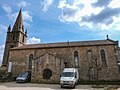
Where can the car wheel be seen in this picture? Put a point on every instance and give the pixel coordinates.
(77, 83)
(74, 87)
(61, 86)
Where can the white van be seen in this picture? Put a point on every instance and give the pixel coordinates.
(69, 77)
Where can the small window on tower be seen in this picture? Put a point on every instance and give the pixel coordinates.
(13, 38)
(11, 46)
(23, 39)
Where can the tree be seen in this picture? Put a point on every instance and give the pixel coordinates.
(98, 67)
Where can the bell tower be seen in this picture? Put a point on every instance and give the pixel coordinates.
(15, 37)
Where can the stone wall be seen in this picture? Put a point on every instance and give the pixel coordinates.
(20, 60)
(42, 60)
(47, 61)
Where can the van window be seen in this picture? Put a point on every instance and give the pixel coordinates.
(68, 74)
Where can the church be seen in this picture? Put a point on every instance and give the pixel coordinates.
(46, 61)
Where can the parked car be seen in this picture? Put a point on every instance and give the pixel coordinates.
(24, 77)
(69, 77)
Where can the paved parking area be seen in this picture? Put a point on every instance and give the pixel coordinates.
(34, 86)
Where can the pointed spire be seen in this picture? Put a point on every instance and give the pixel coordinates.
(18, 26)
(9, 28)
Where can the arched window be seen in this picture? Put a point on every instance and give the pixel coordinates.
(30, 62)
(76, 61)
(65, 64)
(103, 57)
(90, 59)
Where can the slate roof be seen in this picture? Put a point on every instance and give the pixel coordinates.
(66, 44)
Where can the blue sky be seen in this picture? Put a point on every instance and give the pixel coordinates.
(62, 20)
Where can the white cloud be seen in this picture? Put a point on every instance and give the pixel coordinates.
(87, 15)
(26, 16)
(7, 8)
(78, 9)
(2, 28)
(13, 16)
(69, 12)
(114, 26)
(1, 52)
(23, 4)
(46, 4)
(33, 40)
(115, 4)
(62, 4)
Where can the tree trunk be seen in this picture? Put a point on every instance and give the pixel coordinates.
(97, 82)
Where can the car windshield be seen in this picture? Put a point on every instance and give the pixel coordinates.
(23, 74)
(68, 74)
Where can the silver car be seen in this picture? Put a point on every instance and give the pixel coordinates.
(24, 77)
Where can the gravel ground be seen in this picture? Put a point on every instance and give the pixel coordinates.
(33, 86)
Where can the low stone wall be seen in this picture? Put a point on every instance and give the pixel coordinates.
(2, 72)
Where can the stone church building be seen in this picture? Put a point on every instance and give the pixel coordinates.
(46, 61)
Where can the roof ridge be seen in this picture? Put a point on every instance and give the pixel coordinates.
(65, 44)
